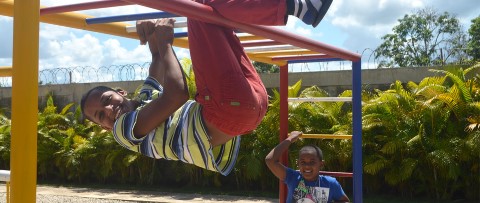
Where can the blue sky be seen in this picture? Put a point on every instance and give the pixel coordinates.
(355, 25)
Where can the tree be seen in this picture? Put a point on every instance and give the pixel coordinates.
(422, 39)
(473, 46)
(265, 67)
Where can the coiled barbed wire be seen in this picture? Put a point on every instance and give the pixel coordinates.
(87, 74)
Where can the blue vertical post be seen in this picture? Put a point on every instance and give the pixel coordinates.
(282, 196)
(357, 131)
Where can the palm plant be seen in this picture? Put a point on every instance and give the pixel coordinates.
(416, 134)
(52, 133)
(5, 128)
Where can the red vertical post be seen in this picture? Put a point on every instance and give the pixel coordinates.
(283, 125)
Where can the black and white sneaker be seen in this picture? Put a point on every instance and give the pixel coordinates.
(311, 12)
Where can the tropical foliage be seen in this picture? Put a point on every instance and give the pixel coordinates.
(419, 137)
(418, 140)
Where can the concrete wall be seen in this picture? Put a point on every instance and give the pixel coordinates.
(332, 81)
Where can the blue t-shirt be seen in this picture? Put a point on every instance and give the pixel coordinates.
(301, 190)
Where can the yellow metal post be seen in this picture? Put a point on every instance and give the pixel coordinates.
(8, 192)
(23, 157)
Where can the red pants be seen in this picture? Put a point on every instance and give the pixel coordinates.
(231, 92)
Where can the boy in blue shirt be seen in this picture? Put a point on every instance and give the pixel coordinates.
(305, 185)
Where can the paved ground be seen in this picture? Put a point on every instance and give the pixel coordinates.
(52, 194)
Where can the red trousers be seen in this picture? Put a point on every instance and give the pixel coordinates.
(231, 92)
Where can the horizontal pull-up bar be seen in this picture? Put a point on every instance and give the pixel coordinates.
(180, 24)
(130, 17)
(5, 71)
(337, 174)
(206, 13)
(326, 136)
(260, 43)
(271, 48)
(315, 60)
(83, 6)
(301, 57)
(4, 176)
(320, 99)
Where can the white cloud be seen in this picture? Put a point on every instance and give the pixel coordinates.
(114, 53)
(366, 21)
(74, 51)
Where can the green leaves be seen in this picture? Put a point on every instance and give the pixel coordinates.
(422, 39)
(473, 46)
(425, 133)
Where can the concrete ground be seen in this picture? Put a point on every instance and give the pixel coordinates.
(53, 194)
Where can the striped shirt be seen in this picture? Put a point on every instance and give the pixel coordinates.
(181, 137)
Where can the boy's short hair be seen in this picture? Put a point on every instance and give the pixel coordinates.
(309, 148)
(86, 95)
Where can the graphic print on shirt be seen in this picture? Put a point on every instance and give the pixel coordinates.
(309, 194)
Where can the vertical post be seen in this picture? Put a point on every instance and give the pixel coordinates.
(8, 192)
(23, 157)
(283, 125)
(357, 131)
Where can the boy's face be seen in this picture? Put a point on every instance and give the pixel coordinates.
(309, 165)
(104, 107)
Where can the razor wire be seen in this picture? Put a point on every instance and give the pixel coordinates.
(87, 74)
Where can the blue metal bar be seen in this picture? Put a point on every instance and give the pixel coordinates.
(180, 34)
(357, 131)
(315, 60)
(131, 17)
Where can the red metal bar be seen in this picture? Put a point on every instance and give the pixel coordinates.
(205, 13)
(282, 196)
(302, 57)
(260, 43)
(83, 6)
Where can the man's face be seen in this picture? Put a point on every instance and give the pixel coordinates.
(104, 107)
(309, 165)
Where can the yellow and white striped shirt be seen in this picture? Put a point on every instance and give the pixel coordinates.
(181, 137)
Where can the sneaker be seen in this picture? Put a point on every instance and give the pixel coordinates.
(315, 11)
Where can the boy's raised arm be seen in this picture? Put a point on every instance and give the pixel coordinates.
(273, 158)
(166, 69)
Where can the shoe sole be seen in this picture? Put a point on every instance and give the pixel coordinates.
(323, 10)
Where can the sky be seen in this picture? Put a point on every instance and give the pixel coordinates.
(355, 25)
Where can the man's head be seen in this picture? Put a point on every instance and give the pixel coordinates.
(310, 161)
(103, 105)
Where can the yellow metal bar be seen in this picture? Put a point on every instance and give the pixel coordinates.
(77, 20)
(23, 157)
(249, 37)
(5, 71)
(8, 191)
(268, 60)
(326, 136)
